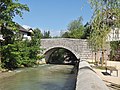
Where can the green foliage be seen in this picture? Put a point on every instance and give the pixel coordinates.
(35, 44)
(65, 35)
(8, 35)
(56, 37)
(75, 24)
(76, 33)
(37, 33)
(106, 16)
(75, 29)
(9, 56)
(10, 51)
(46, 34)
(14, 51)
(87, 30)
(115, 50)
(8, 10)
(21, 53)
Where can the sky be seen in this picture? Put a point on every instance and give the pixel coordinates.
(54, 15)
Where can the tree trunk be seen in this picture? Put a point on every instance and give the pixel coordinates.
(92, 56)
(98, 57)
(102, 57)
(0, 59)
(95, 57)
(0, 55)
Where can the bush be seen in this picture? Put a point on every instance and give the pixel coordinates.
(21, 53)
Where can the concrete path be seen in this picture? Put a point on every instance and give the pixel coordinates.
(113, 82)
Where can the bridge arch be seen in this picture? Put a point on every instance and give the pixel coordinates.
(51, 50)
(79, 47)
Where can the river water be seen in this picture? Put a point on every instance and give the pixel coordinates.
(45, 77)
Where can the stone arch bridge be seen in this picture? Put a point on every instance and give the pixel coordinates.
(79, 47)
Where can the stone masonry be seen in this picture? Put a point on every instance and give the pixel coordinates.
(79, 47)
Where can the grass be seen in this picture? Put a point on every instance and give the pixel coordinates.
(100, 67)
(96, 66)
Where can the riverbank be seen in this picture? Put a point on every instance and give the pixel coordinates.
(7, 74)
(4, 73)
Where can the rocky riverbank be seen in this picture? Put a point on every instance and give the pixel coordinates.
(7, 74)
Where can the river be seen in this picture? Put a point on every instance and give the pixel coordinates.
(45, 77)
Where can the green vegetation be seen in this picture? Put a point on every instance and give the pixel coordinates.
(105, 18)
(115, 50)
(8, 10)
(21, 53)
(46, 34)
(14, 51)
(100, 67)
(75, 29)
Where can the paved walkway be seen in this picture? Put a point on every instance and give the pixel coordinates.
(113, 82)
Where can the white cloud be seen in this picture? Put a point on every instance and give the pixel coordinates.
(55, 32)
(26, 26)
(52, 32)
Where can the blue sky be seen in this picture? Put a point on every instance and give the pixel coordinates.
(54, 15)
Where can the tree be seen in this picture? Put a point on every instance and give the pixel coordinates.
(75, 29)
(22, 53)
(33, 48)
(106, 16)
(87, 30)
(115, 49)
(35, 44)
(8, 10)
(37, 32)
(46, 34)
(65, 35)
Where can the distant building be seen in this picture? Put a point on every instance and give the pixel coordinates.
(1, 36)
(114, 35)
(25, 34)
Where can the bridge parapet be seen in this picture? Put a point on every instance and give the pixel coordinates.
(87, 79)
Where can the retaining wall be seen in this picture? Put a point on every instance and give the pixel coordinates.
(87, 79)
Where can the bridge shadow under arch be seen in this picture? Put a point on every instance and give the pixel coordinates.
(60, 55)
